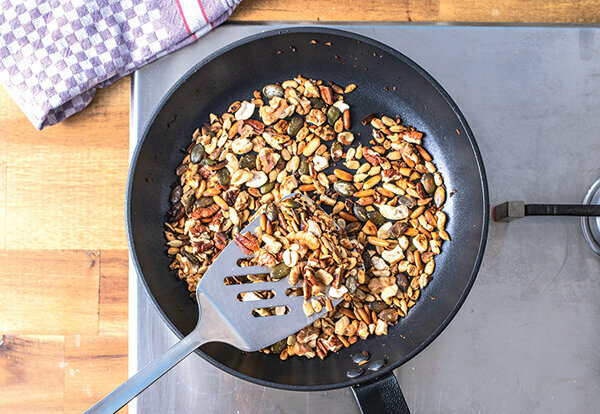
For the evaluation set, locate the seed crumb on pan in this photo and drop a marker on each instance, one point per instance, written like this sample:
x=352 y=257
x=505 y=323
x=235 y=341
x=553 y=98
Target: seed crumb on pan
x=296 y=136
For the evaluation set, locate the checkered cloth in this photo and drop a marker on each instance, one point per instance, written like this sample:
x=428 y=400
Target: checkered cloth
x=54 y=54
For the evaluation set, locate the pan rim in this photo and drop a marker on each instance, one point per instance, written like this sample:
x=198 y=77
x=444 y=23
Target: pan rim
x=367 y=377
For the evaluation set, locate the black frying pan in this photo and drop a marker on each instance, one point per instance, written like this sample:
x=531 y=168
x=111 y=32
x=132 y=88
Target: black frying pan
x=235 y=72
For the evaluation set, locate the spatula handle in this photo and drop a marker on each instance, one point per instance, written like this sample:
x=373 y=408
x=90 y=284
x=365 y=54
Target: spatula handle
x=144 y=378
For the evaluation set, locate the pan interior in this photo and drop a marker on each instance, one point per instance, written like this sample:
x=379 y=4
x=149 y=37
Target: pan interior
x=388 y=83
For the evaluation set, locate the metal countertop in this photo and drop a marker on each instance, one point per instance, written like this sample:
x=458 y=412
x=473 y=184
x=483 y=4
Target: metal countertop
x=527 y=339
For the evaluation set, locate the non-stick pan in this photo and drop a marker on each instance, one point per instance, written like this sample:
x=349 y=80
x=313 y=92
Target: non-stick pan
x=388 y=82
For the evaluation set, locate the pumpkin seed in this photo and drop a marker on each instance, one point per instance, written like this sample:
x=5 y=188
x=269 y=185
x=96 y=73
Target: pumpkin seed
x=360 y=212
x=248 y=161
x=176 y=195
x=204 y=202
x=295 y=125
x=303 y=167
x=344 y=188
x=375 y=217
x=428 y=183
x=207 y=161
x=317 y=103
x=407 y=201
x=278 y=347
x=280 y=271
x=397 y=230
x=272 y=212
x=333 y=114
x=270 y=91
x=223 y=177
x=189 y=203
x=193 y=259
x=290 y=203
x=197 y=153
x=267 y=188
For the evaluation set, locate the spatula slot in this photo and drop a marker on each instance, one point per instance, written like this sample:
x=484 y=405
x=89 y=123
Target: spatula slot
x=242 y=260
x=270 y=311
x=295 y=291
x=257 y=295
x=241 y=280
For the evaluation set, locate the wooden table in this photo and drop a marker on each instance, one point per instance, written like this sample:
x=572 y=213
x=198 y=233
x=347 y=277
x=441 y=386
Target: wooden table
x=63 y=250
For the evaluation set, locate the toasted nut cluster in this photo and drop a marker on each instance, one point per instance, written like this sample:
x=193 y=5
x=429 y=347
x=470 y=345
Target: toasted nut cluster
x=302 y=243
x=386 y=196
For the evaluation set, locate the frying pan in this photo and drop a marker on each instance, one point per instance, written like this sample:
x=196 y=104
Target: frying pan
x=388 y=83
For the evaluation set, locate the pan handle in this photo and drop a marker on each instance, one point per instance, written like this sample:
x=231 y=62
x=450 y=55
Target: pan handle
x=382 y=395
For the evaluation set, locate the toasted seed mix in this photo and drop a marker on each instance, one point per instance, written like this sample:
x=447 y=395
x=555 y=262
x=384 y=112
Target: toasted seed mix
x=386 y=196
x=311 y=237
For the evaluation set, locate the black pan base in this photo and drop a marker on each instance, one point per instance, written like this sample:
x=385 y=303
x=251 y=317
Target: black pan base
x=234 y=73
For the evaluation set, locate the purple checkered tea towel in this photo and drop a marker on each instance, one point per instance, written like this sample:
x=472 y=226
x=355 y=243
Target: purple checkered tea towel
x=54 y=54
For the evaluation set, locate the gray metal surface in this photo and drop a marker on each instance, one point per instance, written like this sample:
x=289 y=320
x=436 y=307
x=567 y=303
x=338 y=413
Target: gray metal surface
x=591 y=225
x=527 y=339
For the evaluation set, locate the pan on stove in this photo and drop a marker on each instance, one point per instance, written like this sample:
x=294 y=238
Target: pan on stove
x=247 y=65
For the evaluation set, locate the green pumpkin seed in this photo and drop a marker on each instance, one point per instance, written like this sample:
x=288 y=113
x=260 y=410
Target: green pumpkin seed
x=290 y=203
x=193 y=259
x=428 y=183
x=272 y=90
x=176 y=194
x=280 y=271
x=344 y=188
x=303 y=167
x=295 y=125
x=197 y=153
x=333 y=114
x=360 y=212
x=317 y=103
x=203 y=202
x=376 y=217
x=207 y=161
x=189 y=203
x=267 y=188
x=248 y=161
x=278 y=347
x=407 y=201
x=223 y=177
x=272 y=212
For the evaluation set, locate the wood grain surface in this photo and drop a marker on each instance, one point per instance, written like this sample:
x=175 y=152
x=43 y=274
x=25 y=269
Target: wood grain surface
x=63 y=257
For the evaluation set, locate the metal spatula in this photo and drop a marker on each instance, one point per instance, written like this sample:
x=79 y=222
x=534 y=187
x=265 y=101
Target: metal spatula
x=223 y=318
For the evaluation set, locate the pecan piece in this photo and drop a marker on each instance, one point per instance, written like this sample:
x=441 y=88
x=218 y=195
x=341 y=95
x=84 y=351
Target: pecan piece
x=257 y=126
x=264 y=258
x=220 y=241
x=205 y=212
x=248 y=243
x=202 y=246
x=326 y=94
x=371 y=156
x=206 y=172
x=231 y=195
x=197 y=230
